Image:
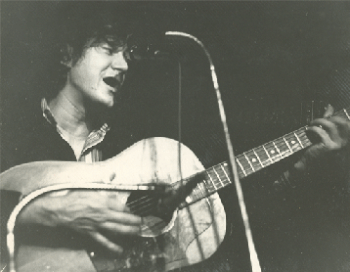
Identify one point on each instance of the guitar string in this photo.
(139, 201)
(12, 222)
(156, 226)
(152, 202)
(196, 194)
(146, 202)
(279, 142)
(139, 210)
(147, 196)
(146, 199)
(160, 225)
(138, 205)
(148, 209)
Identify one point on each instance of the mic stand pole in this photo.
(252, 252)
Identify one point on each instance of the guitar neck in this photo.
(218, 176)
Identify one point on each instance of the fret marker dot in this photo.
(292, 142)
(272, 152)
(253, 160)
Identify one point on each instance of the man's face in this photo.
(98, 75)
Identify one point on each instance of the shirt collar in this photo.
(95, 137)
(47, 114)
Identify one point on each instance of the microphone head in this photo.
(147, 52)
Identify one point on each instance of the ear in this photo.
(67, 56)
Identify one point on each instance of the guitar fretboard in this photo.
(218, 176)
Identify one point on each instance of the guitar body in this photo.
(193, 234)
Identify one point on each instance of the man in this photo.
(73, 126)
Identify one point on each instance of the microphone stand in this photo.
(252, 252)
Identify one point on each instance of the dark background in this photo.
(271, 58)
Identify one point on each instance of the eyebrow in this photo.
(112, 44)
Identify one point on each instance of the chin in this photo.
(108, 102)
(109, 105)
(103, 104)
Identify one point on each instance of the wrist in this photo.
(41, 211)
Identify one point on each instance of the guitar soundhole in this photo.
(146, 252)
(146, 255)
(140, 254)
(146, 204)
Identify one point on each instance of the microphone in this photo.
(148, 52)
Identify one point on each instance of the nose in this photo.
(119, 62)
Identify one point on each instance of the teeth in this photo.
(111, 81)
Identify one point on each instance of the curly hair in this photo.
(81, 25)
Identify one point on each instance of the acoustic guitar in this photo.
(191, 234)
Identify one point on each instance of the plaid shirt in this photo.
(90, 152)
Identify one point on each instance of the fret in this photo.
(278, 150)
(262, 156)
(273, 151)
(253, 160)
(240, 165)
(216, 171)
(298, 140)
(303, 137)
(285, 145)
(215, 178)
(293, 141)
(222, 175)
(248, 160)
(227, 177)
(247, 168)
(212, 182)
(267, 153)
(218, 177)
(290, 149)
(256, 155)
(209, 185)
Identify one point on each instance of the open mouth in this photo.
(111, 81)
